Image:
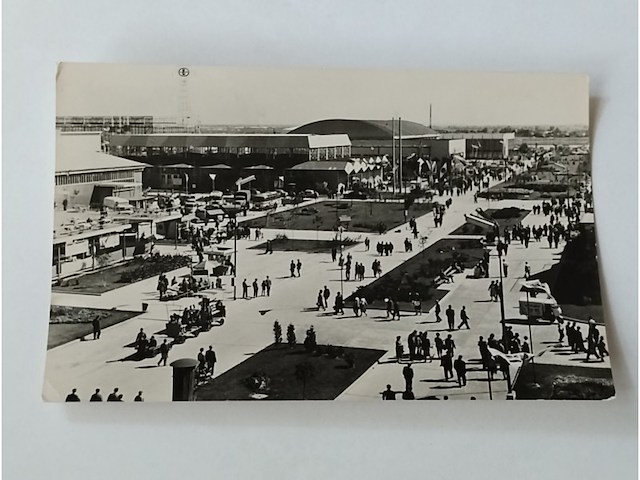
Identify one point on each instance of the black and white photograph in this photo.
(318, 234)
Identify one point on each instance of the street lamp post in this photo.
(342, 262)
(502, 320)
(533, 364)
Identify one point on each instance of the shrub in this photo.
(277, 332)
(350, 359)
(331, 351)
(258, 382)
(291, 335)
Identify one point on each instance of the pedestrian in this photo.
(527, 270)
(72, 397)
(451, 317)
(388, 394)
(447, 366)
(579, 341)
(602, 349)
(367, 242)
(461, 371)
(268, 285)
(399, 349)
(396, 310)
(320, 301)
(210, 358)
(96, 328)
(201, 361)
(363, 306)
(338, 306)
(560, 333)
(449, 345)
(326, 293)
(264, 288)
(334, 253)
(298, 267)
(356, 306)
(255, 287)
(505, 268)
(164, 353)
(417, 304)
(464, 318)
(389, 305)
(438, 309)
(139, 397)
(292, 268)
(439, 345)
(113, 396)
(407, 373)
(492, 291)
(411, 341)
(96, 397)
(245, 289)
(426, 346)
(526, 348)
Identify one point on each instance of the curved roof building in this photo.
(364, 129)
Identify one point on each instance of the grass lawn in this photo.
(311, 246)
(332, 375)
(418, 273)
(70, 323)
(555, 382)
(506, 217)
(110, 278)
(365, 216)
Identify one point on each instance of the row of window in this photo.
(73, 178)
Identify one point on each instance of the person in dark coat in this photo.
(411, 341)
(96, 328)
(210, 358)
(201, 360)
(72, 397)
(113, 396)
(438, 309)
(451, 317)
(426, 346)
(449, 345)
(439, 345)
(96, 397)
(388, 394)
(407, 373)
(579, 342)
(396, 310)
(399, 348)
(445, 362)
(464, 318)
(139, 397)
(326, 293)
(164, 353)
(461, 371)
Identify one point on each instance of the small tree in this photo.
(277, 332)
(291, 335)
(305, 371)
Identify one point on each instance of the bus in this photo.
(266, 201)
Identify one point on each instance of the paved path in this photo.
(90, 364)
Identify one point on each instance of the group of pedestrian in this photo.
(384, 248)
(360, 306)
(264, 291)
(295, 268)
(114, 396)
(376, 268)
(595, 342)
(393, 308)
(207, 361)
(495, 291)
(451, 318)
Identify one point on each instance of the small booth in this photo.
(538, 301)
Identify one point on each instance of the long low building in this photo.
(310, 147)
(333, 175)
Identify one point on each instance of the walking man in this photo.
(438, 309)
(245, 289)
(449, 345)
(164, 353)
(255, 287)
(326, 293)
(461, 371)
(451, 317)
(439, 345)
(292, 268)
(299, 266)
(465, 319)
(210, 358)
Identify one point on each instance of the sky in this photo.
(247, 96)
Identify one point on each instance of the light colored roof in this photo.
(339, 165)
(474, 135)
(81, 152)
(229, 140)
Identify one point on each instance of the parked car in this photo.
(309, 194)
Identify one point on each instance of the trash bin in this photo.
(184, 379)
(145, 306)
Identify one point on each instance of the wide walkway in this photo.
(87, 365)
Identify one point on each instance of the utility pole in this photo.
(393, 153)
(400, 140)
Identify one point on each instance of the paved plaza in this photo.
(89, 364)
